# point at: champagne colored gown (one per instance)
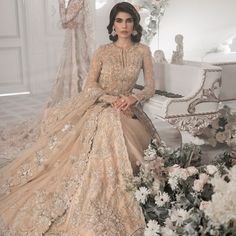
(72, 182)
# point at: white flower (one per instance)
(152, 228)
(183, 174)
(198, 185)
(168, 223)
(192, 170)
(161, 199)
(173, 182)
(157, 142)
(156, 186)
(203, 205)
(211, 169)
(232, 174)
(168, 150)
(222, 207)
(203, 178)
(218, 183)
(163, 144)
(176, 171)
(165, 231)
(179, 216)
(150, 154)
(161, 150)
(141, 194)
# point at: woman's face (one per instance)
(123, 25)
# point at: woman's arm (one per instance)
(149, 83)
(94, 71)
(91, 83)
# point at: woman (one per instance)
(73, 181)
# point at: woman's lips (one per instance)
(124, 31)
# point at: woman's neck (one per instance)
(124, 43)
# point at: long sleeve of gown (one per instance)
(91, 84)
(95, 68)
(149, 83)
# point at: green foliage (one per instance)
(183, 207)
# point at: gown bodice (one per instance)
(115, 70)
(120, 70)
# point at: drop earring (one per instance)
(113, 33)
(134, 33)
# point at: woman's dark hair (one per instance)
(128, 8)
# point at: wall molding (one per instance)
(20, 67)
(17, 20)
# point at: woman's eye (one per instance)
(118, 20)
(129, 20)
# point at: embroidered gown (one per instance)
(73, 180)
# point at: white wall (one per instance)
(204, 23)
(44, 43)
(13, 57)
(102, 20)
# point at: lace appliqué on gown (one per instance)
(73, 180)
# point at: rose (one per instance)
(221, 137)
(150, 154)
(173, 169)
(192, 170)
(197, 185)
(156, 186)
(176, 171)
(203, 178)
(211, 169)
(203, 205)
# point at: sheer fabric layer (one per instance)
(73, 180)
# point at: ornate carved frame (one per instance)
(193, 122)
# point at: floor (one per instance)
(15, 109)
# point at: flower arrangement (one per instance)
(179, 196)
(222, 129)
(156, 9)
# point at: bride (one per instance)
(73, 180)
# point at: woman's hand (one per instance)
(124, 102)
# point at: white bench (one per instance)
(198, 84)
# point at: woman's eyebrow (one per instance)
(118, 18)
